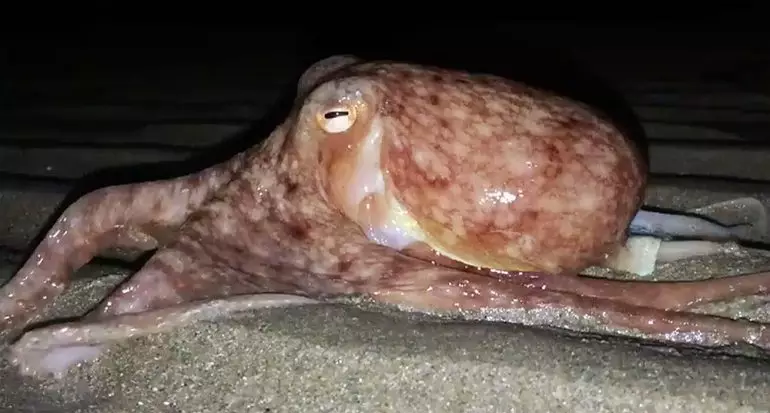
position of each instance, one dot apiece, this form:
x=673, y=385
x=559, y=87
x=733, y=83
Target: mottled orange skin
x=271, y=219
x=576, y=179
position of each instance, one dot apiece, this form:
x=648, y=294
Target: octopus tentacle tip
x=53, y=362
x=678, y=250
x=638, y=256
x=52, y=351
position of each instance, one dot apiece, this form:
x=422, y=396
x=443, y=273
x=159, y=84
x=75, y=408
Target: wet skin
x=415, y=186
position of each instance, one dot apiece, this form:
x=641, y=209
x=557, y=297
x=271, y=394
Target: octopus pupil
x=335, y=114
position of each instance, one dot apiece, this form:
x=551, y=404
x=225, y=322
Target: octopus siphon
x=415, y=186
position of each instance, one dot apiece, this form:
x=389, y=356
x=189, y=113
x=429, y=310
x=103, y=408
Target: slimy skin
x=494, y=173
x=416, y=186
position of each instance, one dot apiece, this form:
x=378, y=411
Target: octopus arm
x=139, y=216
x=649, y=308
x=665, y=325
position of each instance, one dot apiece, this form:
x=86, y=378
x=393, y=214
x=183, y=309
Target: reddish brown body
x=572, y=180
x=496, y=172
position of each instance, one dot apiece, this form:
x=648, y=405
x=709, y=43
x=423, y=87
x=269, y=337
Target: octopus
x=419, y=187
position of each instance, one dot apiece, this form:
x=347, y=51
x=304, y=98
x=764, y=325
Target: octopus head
x=481, y=170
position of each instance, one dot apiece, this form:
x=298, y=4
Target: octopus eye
x=337, y=119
